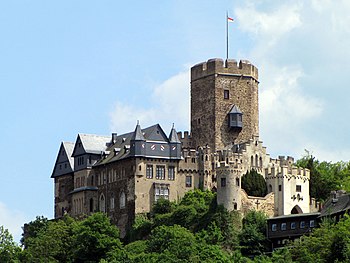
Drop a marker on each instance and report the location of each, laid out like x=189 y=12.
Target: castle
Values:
x=124 y=175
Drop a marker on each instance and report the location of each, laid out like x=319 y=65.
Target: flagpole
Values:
x=226 y=35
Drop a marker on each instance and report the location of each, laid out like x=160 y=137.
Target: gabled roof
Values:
x=333 y=206
x=173 y=136
x=69 y=147
x=64 y=155
x=235 y=110
x=91 y=143
x=155 y=133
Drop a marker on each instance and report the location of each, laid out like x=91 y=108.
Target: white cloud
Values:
x=269 y=25
x=13 y=220
x=169 y=104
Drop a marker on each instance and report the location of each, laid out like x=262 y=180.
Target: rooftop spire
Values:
x=173 y=138
x=137 y=136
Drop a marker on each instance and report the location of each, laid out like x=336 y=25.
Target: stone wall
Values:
x=264 y=204
x=209 y=107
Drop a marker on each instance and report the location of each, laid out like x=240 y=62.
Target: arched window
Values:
x=260 y=162
x=122 y=200
x=102 y=203
x=252 y=161
x=237 y=181
x=256 y=161
x=270 y=188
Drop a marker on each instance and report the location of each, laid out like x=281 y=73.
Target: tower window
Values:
x=223 y=182
x=188 y=181
x=298 y=188
x=226 y=94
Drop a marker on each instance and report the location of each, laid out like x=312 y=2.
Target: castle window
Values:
x=292 y=225
x=112 y=203
x=188 y=181
x=280 y=188
x=274 y=227
x=283 y=226
x=298 y=188
x=235 y=206
x=256 y=161
x=122 y=200
x=252 y=161
x=237 y=181
x=312 y=223
x=223 y=182
x=302 y=224
x=160 y=172
x=226 y=94
x=149 y=171
x=171 y=173
x=260 y=162
x=161 y=191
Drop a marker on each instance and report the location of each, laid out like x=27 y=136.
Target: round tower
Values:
x=228 y=174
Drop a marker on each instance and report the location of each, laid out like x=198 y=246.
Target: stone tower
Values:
x=224 y=103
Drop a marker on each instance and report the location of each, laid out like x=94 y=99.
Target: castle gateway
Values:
x=124 y=175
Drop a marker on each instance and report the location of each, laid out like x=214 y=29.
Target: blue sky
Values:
x=99 y=66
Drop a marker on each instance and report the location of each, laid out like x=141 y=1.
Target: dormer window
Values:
x=235 y=118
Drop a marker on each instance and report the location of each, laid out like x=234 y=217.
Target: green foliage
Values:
x=176 y=240
x=325 y=176
x=329 y=243
x=254 y=184
x=141 y=228
x=94 y=238
x=9 y=251
x=53 y=242
x=33 y=228
x=253 y=235
x=163 y=206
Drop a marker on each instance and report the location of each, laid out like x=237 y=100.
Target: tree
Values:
x=254 y=184
x=324 y=176
x=9 y=251
x=33 y=228
x=94 y=237
x=53 y=243
x=253 y=235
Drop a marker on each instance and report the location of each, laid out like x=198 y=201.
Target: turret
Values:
x=175 y=144
x=137 y=142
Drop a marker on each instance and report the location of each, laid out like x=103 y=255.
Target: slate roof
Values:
x=94 y=144
x=235 y=109
x=69 y=147
x=120 y=149
x=336 y=205
x=137 y=135
x=173 y=136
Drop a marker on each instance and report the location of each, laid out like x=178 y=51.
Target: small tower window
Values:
x=223 y=182
x=226 y=94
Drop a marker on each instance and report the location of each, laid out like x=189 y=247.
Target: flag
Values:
x=229 y=19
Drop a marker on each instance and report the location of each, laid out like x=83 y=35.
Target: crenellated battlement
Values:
x=216 y=66
x=287 y=172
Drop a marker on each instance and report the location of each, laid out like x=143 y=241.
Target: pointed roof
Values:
x=64 y=155
x=235 y=110
x=173 y=138
x=137 y=135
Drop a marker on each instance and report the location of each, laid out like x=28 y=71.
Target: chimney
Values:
x=114 y=137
